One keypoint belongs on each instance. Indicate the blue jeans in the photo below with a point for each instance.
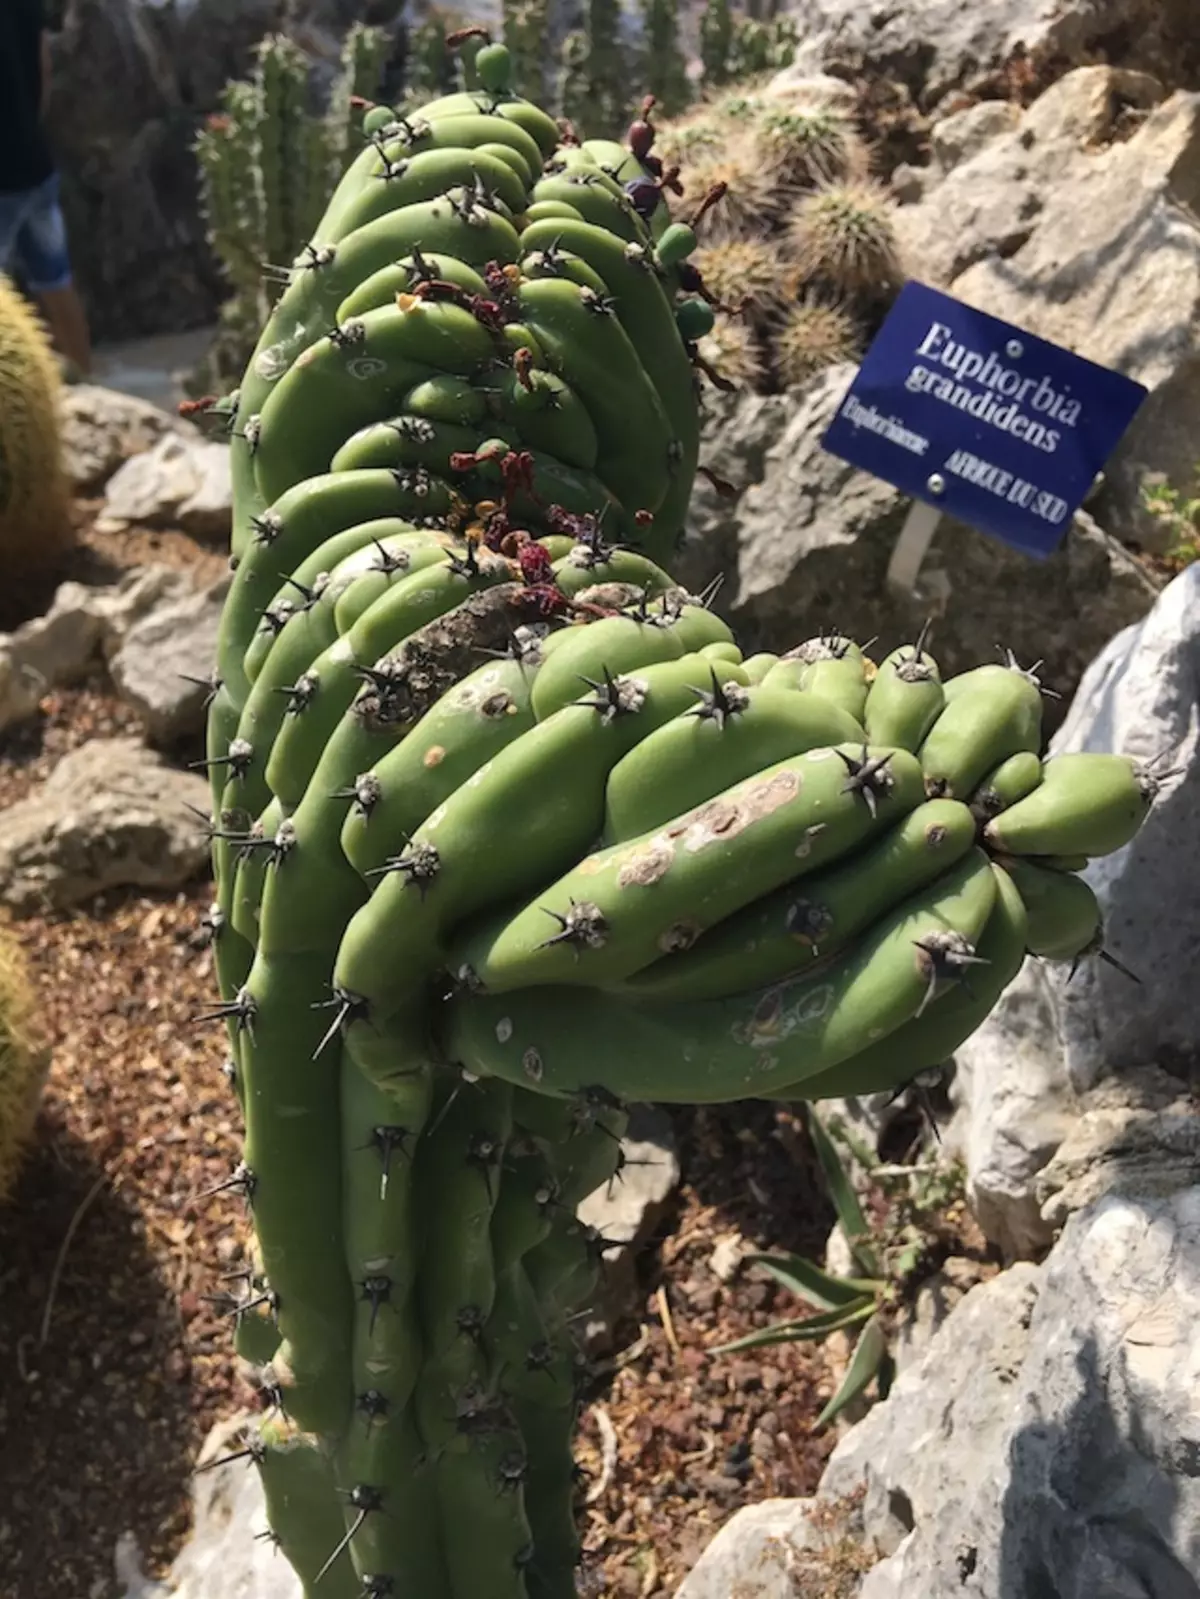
(33, 238)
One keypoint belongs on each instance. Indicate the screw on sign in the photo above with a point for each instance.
(980, 420)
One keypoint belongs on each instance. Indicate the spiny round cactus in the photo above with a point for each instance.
(842, 234)
(811, 145)
(733, 352)
(507, 834)
(739, 269)
(24, 1062)
(35, 522)
(811, 335)
(689, 138)
(751, 199)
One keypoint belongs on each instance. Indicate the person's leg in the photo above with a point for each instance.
(41, 249)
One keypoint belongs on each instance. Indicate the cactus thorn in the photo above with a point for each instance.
(868, 776)
(1030, 673)
(471, 1321)
(615, 696)
(238, 758)
(270, 1393)
(309, 595)
(267, 527)
(315, 256)
(376, 1291)
(242, 1179)
(719, 703)
(540, 1356)
(366, 1501)
(243, 1307)
(275, 617)
(373, 1405)
(484, 1153)
(300, 694)
(945, 957)
(241, 1009)
(269, 1535)
(283, 843)
(419, 269)
(210, 684)
(419, 864)
(511, 1471)
(583, 927)
(254, 1451)
(597, 304)
(348, 335)
(1096, 948)
(465, 564)
(378, 1586)
(348, 1008)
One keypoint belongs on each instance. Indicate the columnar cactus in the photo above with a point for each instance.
(508, 834)
(266, 165)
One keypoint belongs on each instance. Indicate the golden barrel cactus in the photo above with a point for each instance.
(35, 524)
(24, 1061)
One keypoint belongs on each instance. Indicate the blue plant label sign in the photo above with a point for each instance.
(998, 428)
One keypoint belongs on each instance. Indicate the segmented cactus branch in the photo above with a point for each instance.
(507, 834)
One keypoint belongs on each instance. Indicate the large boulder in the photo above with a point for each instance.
(165, 663)
(1053, 1037)
(183, 481)
(83, 625)
(102, 429)
(1048, 1443)
(933, 46)
(110, 815)
(803, 543)
(1078, 221)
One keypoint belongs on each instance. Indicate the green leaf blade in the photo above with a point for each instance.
(811, 1282)
(868, 1359)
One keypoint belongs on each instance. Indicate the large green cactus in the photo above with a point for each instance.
(507, 833)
